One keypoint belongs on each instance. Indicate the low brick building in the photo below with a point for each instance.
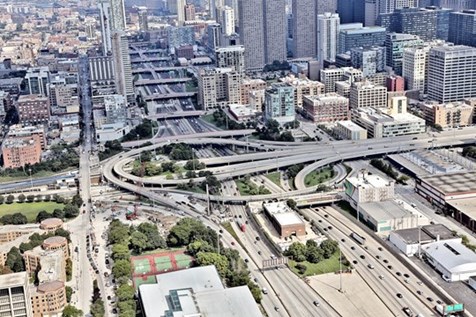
(285, 220)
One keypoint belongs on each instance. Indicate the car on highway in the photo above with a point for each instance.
(316, 303)
(259, 252)
(381, 277)
(232, 243)
(399, 295)
(362, 256)
(343, 240)
(429, 299)
(406, 275)
(398, 274)
(355, 262)
(407, 311)
(370, 266)
(264, 290)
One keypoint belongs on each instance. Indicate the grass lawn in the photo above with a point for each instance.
(319, 176)
(30, 210)
(229, 228)
(275, 178)
(249, 188)
(209, 118)
(330, 265)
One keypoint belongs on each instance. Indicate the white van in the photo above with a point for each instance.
(264, 290)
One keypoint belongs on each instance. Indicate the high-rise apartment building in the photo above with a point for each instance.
(275, 25)
(115, 106)
(180, 12)
(462, 28)
(118, 15)
(143, 19)
(327, 36)
(356, 35)
(37, 80)
(326, 108)
(427, 23)
(226, 18)
(415, 68)
(279, 103)
(251, 21)
(330, 76)
(395, 43)
(351, 11)
(122, 66)
(303, 87)
(369, 59)
(105, 20)
(455, 5)
(364, 94)
(262, 31)
(231, 56)
(218, 86)
(15, 295)
(304, 28)
(451, 75)
(33, 109)
(189, 12)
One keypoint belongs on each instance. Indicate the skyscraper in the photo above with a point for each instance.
(448, 65)
(415, 68)
(275, 25)
(105, 19)
(251, 21)
(231, 56)
(462, 28)
(414, 21)
(122, 65)
(304, 28)
(143, 19)
(118, 15)
(262, 31)
(279, 103)
(226, 18)
(327, 36)
(355, 35)
(180, 12)
(351, 11)
(395, 43)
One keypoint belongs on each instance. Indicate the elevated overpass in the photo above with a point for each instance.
(161, 81)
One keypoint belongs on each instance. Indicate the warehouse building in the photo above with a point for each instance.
(385, 216)
(409, 240)
(284, 219)
(452, 259)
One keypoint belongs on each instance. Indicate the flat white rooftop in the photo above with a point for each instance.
(369, 181)
(453, 256)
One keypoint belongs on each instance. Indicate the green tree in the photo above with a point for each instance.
(154, 240)
(42, 215)
(125, 292)
(138, 241)
(14, 260)
(198, 246)
(329, 247)
(2, 199)
(77, 200)
(21, 198)
(58, 213)
(291, 203)
(255, 291)
(120, 252)
(122, 268)
(190, 174)
(127, 308)
(30, 198)
(188, 230)
(69, 293)
(10, 199)
(69, 269)
(97, 308)
(210, 258)
(118, 232)
(47, 197)
(297, 251)
(71, 311)
(70, 211)
(63, 233)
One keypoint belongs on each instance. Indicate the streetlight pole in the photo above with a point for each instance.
(340, 271)
(31, 179)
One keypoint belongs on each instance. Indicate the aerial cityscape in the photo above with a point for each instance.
(228, 158)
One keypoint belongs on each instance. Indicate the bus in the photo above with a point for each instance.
(358, 238)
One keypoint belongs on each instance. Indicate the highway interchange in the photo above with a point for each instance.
(290, 296)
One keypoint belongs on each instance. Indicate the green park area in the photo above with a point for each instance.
(247, 187)
(275, 178)
(329, 265)
(318, 176)
(30, 210)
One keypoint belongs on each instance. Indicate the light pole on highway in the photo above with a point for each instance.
(31, 179)
(340, 271)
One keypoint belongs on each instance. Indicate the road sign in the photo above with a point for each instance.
(270, 263)
(454, 308)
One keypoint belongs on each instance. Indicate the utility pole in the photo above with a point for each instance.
(340, 271)
(208, 200)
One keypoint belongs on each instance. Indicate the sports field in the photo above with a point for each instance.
(148, 265)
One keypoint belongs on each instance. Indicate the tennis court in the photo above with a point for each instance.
(141, 266)
(138, 281)
(163, 263)
(183, 261)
